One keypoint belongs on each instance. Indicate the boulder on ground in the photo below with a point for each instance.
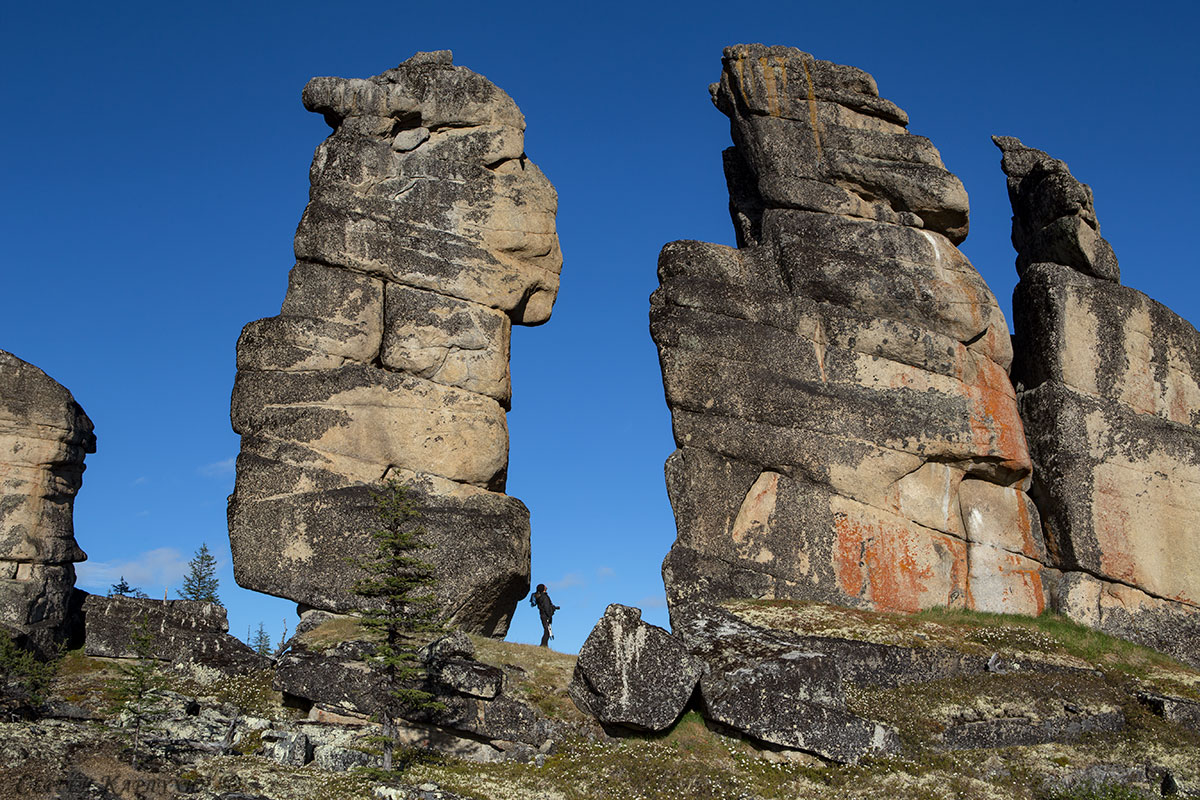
(769, 685)
(632, 673)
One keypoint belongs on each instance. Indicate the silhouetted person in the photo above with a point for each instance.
(546, 609)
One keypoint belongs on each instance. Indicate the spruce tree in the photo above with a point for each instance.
(400, 610)
(137, 692)
(121, 589)
(260, 642)
(201, 581)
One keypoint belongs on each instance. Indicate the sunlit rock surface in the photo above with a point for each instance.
(428, 234)
(44, 436)
(1109, 393)
(846, 428)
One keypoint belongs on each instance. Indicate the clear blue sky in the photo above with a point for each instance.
(156, 164)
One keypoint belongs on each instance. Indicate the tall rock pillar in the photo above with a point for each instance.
(838, 383)
(44, 436)
(1109, 387)
(427, 235)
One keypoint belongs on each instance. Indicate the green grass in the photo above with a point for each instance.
(333, 632)
(540, 677)
(1097, 791)
(1053, 630)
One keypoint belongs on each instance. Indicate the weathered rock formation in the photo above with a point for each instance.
(633, 674)
(838, 384)
(428, 234)
(44, 436)
(483, 716)
(1108, 388)
(180, 631)
(843, 684)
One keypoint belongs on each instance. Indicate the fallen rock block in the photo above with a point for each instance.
(632, 673)
(766, 684)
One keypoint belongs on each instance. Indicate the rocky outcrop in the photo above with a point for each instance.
(770, 686)
(1109, 388)
(479, 717)
(44, 436)
(846, 428)
(179, 631)
(633, 674)
(428, 234)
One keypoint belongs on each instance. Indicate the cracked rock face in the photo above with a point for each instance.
(428, 234)
(846, 428)
(1110, 395)
(44, 436)
(633, 674)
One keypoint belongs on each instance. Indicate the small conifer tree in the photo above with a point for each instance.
(201, 581)
(400, 608)
(260, 642)
(24, 679)
(121, 589)
(137, 692)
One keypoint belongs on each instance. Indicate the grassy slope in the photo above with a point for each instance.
(693, 761)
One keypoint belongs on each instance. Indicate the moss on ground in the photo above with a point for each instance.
(334, 631)
(1049, 638)
(537, 675)
(696, 760)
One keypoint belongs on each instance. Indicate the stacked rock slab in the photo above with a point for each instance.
(180, 631)
(44, 436)
(846, 428)
(427, 235)
(1108, 388)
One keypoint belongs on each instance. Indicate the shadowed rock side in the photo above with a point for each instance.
(838, 384)
(44, 436)
(181, 631)
(428, 234)
(1109, 396)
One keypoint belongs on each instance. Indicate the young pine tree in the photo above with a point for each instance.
(121, 589)
(400, 607)
(137, 692)
(201, 581)
(24, 679)
(260, 642)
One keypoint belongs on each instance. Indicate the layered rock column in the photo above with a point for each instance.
(1108, 388)
(428, 234)
(846, 428)
(44, 436)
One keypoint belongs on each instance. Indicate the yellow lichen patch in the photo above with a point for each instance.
(812, 110)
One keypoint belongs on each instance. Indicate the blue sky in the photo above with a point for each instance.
(156, 164)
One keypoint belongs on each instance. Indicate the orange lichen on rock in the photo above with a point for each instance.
(897, 567)
(994, 419)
